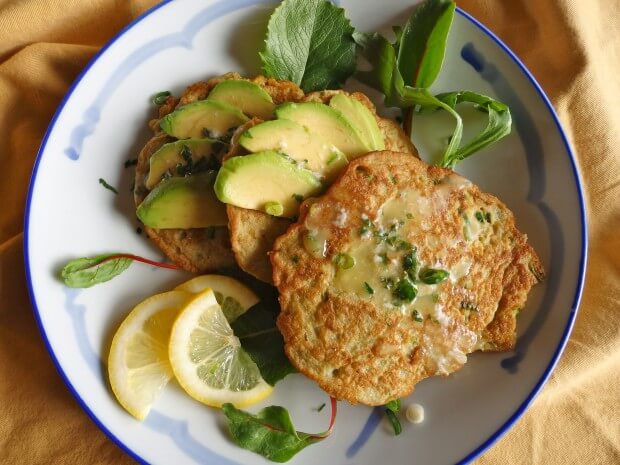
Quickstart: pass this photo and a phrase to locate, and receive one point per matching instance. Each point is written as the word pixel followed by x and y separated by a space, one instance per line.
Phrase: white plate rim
pixel 503 429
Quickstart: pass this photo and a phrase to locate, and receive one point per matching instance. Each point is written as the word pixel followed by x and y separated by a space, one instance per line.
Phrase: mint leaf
pixel 261 339
pixel 309 42
pixel 422 45
pixel 271 432
pixel 86 272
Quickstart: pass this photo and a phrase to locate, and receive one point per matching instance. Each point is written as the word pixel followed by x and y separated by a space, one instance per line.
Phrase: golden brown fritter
pixel 199 249
pixel 347 271
pixel 196 250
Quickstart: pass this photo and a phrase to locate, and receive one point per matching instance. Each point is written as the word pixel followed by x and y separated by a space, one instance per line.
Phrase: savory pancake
pixel 252 232
pixel 394 275
pixel 198 249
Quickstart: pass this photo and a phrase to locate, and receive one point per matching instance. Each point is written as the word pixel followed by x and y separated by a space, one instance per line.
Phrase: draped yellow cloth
pixel 573 49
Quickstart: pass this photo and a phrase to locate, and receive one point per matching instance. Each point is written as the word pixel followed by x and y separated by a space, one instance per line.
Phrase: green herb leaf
pixel 309 42
pixel 368 288
pixel 381 55
pixel 391 411
pixel 498 126
pixel 320 407
pixel 344 261
pixel 86 272
pixel 271 432
pixel 404 70
pixel 405 290
pixel 107 186
pixel 432 275
pixel 160 97
pixel 422 45
pixel 261 339
pixel 393 405
pixel 417 316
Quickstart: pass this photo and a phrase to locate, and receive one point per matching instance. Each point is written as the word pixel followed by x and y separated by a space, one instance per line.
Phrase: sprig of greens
pixel 271 432
pixel 309 42
pixel 88 271
pixel 391 411
pixel 404 70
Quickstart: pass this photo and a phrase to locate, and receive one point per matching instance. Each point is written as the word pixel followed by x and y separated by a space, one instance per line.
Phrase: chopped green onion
pixel 274 208
pixel 368 288
pixel 432 275
pixel 344 261
pixel 405 290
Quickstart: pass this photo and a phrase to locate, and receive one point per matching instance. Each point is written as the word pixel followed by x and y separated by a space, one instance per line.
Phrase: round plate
pixel 102 122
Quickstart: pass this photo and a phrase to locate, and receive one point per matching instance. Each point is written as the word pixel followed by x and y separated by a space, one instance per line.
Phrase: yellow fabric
pixel 571 46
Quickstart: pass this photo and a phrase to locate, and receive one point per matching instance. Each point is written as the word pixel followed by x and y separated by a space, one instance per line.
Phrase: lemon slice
pixel 234 298
pixel 138 364
pixel 207 358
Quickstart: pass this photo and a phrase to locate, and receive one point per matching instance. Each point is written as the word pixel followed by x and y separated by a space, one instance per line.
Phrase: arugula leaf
pixel 86 272
pixel 261 339
pixel 422 45
pixel 309 42
pixel 271 432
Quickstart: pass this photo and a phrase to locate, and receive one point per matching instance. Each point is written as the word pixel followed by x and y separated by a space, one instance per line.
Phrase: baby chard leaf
pixel 422 45
pixel 88 271
pixel 271 432
pixel 309 42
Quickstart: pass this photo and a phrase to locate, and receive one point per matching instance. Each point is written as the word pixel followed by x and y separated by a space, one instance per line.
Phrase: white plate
pixel 101 123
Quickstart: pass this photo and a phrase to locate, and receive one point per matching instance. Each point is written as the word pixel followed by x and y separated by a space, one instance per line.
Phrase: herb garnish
pixel 107 186
pixel 417 316
pixel 320 407
pixel 160 98
pixel 368 288
pixel 391 411
pixel 432 275
pixel 344 261
pixel 88 271
pixel 271 432
pixel 405 290
pixel 309 42
pixel 405 69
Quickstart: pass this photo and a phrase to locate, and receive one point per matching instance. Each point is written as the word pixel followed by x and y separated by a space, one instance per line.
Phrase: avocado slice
pixel 249 97
pixel 330 123
pixel 266 181
pixel 203 118
pixel 296 141
pixel 179 153
pixel 183 203
pixel 360 117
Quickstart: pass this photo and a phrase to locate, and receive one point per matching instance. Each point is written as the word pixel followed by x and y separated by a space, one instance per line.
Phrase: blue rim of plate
pixel 528 400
